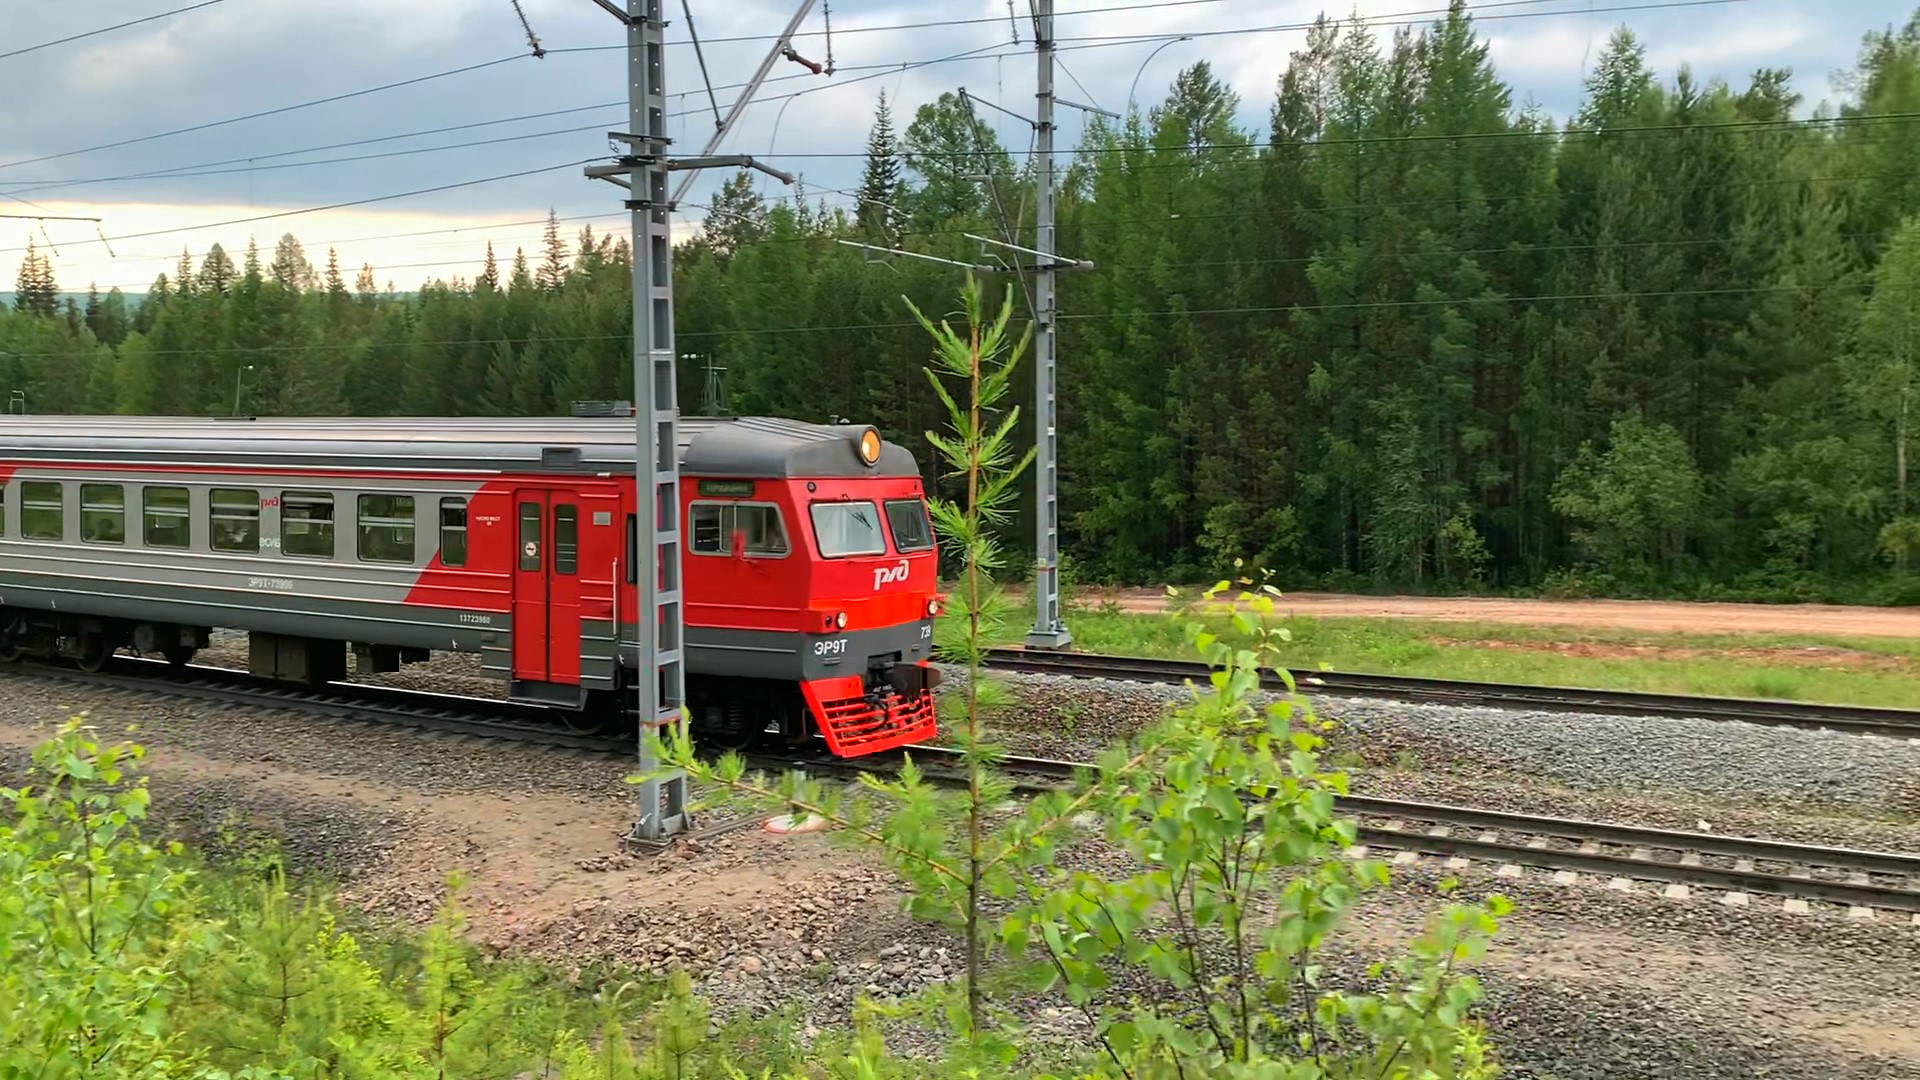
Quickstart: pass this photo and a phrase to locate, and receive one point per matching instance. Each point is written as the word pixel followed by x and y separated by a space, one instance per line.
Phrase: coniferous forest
pixel 1406 334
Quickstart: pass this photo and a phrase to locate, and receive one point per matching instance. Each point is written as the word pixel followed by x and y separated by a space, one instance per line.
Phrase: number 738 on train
pixel 808 565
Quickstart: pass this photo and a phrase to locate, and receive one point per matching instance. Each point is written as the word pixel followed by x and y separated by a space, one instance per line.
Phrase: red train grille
pixel 864 725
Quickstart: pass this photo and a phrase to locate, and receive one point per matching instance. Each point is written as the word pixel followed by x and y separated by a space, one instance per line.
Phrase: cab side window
pixel 713 526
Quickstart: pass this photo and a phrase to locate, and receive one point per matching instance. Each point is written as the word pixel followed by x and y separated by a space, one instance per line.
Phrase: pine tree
pixel 737 218
pixel 216 270
pixel 489 279
pixel 363 284
pixel 290 267
pixel 336 285
pixel 183 274
pixel 1619 83
pixel 113 322
pixel 553 268
pixel 948 147
pixel 1883 369
pixel 36 292
pixel 879 212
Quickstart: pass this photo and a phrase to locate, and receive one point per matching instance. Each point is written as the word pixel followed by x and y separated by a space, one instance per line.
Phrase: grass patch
pixel 1875 671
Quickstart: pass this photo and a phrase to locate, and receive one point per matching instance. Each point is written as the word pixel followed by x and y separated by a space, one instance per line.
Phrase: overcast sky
pixel 237 57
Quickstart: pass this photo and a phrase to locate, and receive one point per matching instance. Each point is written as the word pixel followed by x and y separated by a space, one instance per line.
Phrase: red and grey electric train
pixel 808 569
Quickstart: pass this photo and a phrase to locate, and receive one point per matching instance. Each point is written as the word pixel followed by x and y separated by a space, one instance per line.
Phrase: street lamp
pixel 1149 60
pixel 237 376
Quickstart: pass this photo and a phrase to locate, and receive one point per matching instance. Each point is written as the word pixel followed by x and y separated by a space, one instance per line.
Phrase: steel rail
pixel 1859 891
pixel 1851 719
pixel 495 719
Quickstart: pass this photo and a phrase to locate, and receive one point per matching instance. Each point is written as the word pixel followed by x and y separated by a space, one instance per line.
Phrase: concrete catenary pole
pixel 660 675
pixel 1049 631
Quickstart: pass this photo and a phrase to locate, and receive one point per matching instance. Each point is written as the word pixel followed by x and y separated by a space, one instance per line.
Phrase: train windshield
pixel 907 520
pixel 847 528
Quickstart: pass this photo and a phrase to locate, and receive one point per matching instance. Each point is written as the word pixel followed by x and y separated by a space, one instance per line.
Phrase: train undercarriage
pixel 727 712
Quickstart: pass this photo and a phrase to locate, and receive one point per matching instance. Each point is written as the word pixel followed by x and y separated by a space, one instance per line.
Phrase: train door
pixel 546 586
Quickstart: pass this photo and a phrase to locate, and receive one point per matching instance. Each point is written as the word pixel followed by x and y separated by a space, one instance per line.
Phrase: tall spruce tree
pixel 36 292
pixel 880 212
pixel 553 264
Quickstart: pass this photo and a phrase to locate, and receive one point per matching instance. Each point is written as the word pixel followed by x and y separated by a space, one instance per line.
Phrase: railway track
pixel 1628 857
pixel 447 713
pixel 1851 719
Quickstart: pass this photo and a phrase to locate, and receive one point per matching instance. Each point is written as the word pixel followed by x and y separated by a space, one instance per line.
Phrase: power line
pixel 1337 306
pixel 978 53
pixel 1282 27
pixel 265 112
pixel 334 206
pixel 610 220
pixel 877 70
pixel 1241 215
pixel 108 29
pixel 336 160
pixel 1730 127
pixel 1150 5
pixel 175 170
pixel 1740 127
pixel 1544 298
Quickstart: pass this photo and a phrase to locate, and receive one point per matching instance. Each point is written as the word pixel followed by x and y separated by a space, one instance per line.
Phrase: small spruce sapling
pixel 941 842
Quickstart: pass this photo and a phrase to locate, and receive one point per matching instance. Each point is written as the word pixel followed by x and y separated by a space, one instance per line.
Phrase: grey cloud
pixel 247 55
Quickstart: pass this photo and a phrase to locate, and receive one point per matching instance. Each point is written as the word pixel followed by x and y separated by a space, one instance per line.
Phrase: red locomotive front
pixel 810 597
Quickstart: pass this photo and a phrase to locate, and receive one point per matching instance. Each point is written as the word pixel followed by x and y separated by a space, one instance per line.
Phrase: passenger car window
pixel 235 516
pixel 715 523
pixel 164 513
pixel 453 532
pixel 566 539
pixel 847 528
pixel 103 513
pixel 306 524
pixel 42 511
pixel 907 520
pixel 530 536
pixel 386 528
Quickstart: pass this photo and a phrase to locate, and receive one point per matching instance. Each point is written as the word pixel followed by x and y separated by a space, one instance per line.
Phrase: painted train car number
pixel 836 647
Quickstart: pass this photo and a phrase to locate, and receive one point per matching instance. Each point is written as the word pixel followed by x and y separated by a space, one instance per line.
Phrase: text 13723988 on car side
pixel 809 564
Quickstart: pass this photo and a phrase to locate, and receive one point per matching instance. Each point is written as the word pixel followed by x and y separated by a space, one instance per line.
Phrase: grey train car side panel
pixel 345 599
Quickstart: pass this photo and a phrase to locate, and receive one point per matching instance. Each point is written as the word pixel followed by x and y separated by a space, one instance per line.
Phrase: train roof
pixel 744 446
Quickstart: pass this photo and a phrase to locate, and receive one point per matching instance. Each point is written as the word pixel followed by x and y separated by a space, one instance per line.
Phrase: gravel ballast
pixel 1583 983
pixel 1076 718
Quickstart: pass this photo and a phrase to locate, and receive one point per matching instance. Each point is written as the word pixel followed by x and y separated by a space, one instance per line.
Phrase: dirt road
pixel 1648 615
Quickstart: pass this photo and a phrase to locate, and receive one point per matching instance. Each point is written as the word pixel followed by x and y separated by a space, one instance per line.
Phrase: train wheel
pixel 728 727
pixel 179 655
pixel 94 654
pixel 13 640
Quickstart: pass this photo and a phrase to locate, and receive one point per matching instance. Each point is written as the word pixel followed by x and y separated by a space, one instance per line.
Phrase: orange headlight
pixel 870 446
